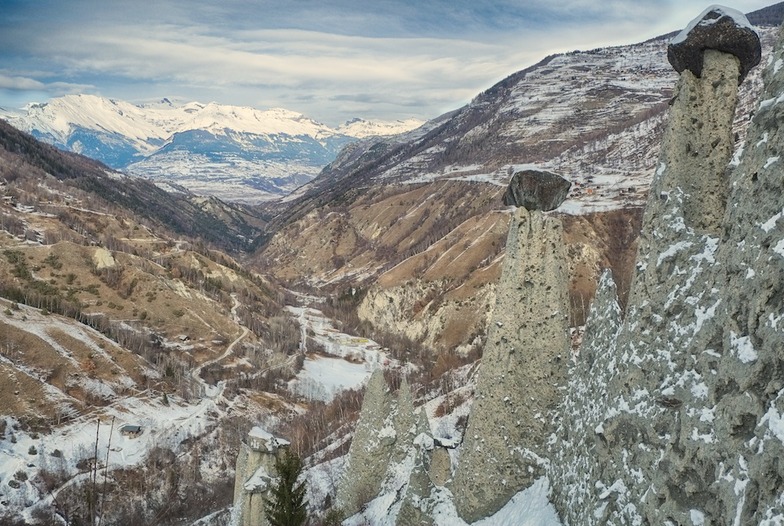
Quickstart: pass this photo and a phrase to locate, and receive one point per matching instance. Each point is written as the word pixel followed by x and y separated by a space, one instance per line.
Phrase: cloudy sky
pixel 329 59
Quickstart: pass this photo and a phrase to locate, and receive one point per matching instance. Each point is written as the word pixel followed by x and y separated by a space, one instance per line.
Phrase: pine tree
pixel 286 505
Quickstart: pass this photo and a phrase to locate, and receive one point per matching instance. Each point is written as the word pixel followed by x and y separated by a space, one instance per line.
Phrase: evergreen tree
pixel 286 505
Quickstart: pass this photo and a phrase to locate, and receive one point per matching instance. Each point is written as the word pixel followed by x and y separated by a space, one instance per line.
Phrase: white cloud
pixel 19 83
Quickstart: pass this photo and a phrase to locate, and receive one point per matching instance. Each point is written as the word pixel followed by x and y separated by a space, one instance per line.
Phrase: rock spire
pixel 523 366
pixel 254 476
pixel 385 437
pixel 698 143
pixel 682 418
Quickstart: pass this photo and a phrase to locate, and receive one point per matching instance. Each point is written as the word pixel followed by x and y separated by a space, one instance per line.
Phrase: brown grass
pixel 22 396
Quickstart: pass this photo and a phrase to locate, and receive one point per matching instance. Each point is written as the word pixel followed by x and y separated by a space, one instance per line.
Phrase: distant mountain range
pixel 236 153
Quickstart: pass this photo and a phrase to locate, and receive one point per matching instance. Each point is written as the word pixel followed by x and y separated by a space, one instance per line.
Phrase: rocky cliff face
pixel 673 415
pixel 384 435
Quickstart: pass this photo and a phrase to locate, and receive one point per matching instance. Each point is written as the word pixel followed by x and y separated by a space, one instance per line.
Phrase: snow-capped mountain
pixel 236 153
pixel 362 128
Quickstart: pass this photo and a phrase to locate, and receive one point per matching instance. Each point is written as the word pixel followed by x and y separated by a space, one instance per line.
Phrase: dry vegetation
pixel 427 267
pixel 162 303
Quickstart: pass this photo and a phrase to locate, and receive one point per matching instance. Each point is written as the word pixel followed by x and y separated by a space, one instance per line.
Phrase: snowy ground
pixel 348 363
pixel 162 425
pixel 322 377
pixel 529 507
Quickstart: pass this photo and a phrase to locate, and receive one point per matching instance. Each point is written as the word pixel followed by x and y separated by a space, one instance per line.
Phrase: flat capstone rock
pixel 719 28
pixel 537 190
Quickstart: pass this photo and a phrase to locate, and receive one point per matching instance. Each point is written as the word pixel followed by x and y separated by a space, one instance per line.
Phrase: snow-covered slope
pixel 237 153
pixel 362 128
pixel 595 117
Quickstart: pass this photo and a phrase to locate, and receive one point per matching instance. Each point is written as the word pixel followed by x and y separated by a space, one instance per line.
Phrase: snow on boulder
pixel 261 440
pixel 259 481
pixel 719 28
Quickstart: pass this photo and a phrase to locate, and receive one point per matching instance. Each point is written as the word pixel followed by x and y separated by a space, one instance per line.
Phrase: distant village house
pixel 131 431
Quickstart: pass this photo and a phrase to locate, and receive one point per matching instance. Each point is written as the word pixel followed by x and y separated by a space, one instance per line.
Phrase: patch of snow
pixel 259 481
pixel 387 432
pixel 700 390
pixel 697 517
pixel 321 377
pixel 530 507
pixel 770 224
pixel 736 157
pixel 779 248
pixel 742 347
pixel 361 128
pixel 738 17
pixel 775 422
pixel 259 432
pixel 617 487
pixel 672 250
pixel 708 438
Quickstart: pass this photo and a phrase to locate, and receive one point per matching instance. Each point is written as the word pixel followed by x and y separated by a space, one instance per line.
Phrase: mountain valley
pixel 234 153
pixel 249 269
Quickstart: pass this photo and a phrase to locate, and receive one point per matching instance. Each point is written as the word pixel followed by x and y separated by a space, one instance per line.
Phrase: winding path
pixel 215 391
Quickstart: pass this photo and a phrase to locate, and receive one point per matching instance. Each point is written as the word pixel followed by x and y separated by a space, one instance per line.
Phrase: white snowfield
pixel 343 361
pixel 235 153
